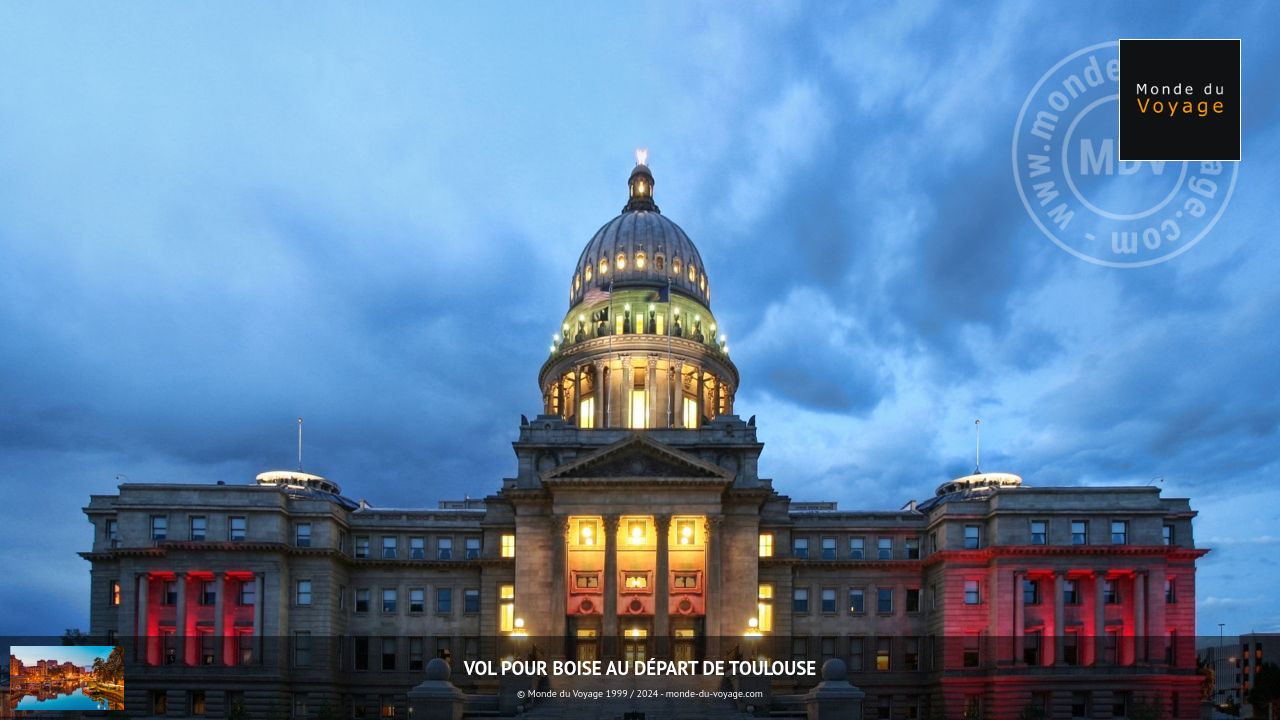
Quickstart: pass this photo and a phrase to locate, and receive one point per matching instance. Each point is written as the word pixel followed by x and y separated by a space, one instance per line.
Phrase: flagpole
pixel 670 368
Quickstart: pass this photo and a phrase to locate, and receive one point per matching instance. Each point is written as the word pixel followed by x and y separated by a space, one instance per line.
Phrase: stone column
pixel 661 589
pixel 1157 629
pixel 714 589
pixel 1019 616
pixel 651 392
pixel 677 395
pixel 609 622
pixel 1059 635
pixel 702 395
pixel 559 396
pixel 219 640
pixel 559 569
pixel 1142 640
pixel 626 379
pixel 258 602
pixel 180 623
pixel 1099 616
pixel 141 628
pixel 600 391
pixel 577 395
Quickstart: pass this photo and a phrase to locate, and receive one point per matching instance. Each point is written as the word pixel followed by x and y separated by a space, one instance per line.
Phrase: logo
pixel 1066 164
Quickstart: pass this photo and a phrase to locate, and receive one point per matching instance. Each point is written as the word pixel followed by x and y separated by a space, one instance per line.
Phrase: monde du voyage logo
pixel 1106 197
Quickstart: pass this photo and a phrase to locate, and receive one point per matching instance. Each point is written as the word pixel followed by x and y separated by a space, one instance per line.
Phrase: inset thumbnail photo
pixel 60 677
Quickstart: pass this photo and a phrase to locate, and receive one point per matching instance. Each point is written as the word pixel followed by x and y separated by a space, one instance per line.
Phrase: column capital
pixel 662 522
pixel 653 362
pixel 611 522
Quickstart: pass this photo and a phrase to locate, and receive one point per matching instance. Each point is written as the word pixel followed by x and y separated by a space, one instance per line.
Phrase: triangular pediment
pixel 637 457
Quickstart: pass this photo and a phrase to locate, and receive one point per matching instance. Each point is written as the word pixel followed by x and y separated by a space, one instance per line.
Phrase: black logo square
pixel 1179 100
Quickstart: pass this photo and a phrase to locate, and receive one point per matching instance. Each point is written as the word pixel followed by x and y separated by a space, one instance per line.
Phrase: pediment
pixel 639 458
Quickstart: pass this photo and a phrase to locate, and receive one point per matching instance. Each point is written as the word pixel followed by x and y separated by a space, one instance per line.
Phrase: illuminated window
pixel 766 544
pixel 686 581
pixel 622 261
pixel 604 266
pixel 675 266
pixel 587 273
pixel 635 580
pixel 882 654
pixel 637 532
pixel 693 273
pixel 508 546
pixel 506 608
pixel 586 581
pixel 685 532
pixel 764 607
pixel 703 283
pixel 115 592
pixel 587 413
pixel 690 413
pixel 639 408
pixel 640 260
pixel 587 532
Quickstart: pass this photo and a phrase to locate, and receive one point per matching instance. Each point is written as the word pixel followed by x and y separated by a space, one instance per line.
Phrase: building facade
pixel 637 525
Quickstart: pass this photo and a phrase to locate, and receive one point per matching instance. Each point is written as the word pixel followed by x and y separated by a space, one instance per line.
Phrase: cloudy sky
pixel 215 219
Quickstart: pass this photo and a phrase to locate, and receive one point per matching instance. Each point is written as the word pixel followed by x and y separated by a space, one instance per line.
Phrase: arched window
pixel 587 272
pixel 577 282
pixel 675 266
pixel 659 262
pixel 703 282
pixel 604 267
pixel 693 273
pixel 640 259
pixel 622 261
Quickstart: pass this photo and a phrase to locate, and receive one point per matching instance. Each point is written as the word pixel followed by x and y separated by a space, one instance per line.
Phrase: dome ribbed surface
pixel 663 244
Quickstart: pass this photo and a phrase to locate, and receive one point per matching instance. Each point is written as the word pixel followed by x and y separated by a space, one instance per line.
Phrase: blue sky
pixel 81 655
pixel 216 219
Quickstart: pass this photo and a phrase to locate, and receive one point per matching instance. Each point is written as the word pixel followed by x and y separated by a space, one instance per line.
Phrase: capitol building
pixel 636 525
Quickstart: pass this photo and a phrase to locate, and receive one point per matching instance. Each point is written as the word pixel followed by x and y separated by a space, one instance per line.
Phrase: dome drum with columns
pixel 639 347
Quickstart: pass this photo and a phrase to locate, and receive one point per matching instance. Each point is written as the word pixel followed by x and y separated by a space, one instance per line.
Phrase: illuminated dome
pixel 639 347
pixel 640 247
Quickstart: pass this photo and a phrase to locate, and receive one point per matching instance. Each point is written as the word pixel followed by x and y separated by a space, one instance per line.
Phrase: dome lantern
pixel 640 185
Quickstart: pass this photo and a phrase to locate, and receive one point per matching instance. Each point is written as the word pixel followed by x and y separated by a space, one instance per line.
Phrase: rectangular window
pixel 913 600
pixel 362 546
pixel 1119 704
pixel 1030 591
pixel 884 600
pixel 828 600
pixel 361 653
pixel 301 649
pixel 417 653
pixel 388 653
pixel 800 600
pixel 444 548
pixel 1170 591
pixel 362 600
pixel 417 600
pixel 1071 648
pixel 170 593
pixel 827 648
pixel 417 548
pixel 884 707
pixel 766 544
pixel 828 548
pixel 1031 648
pixel 587 413
pixel 855 654
pixel 913 548
pixel 342 597
pixel 857 601
pixel 208 592
pixel 686 581
pixel 159 702
pixel 1079 532
pixel 1110 645
pixel 972 595
pixel 972 650
pixel 1171 648
pixel 471 600
pixel 303 535
pixel 390 545
pixel 114 592
pixel 882 654
pixel 506 608
pixel 198 527
pixel 690 413
pixel 1110 594
pixel 508 546
pixel 1039 532
pixel 1167 534
pixel 972 537
pixel 304 592
pixel 389 598
pixel 1070 593
pixel 1079 705
pixel 635 580
pixel 444 600
pixel 799 648
pixel 764 606
pixel 857 548
pixel 586 580
pixel 113 532
pixel 248 592
pixel 800 548
pixel 884 548
pixel 237 528
pixel 472 548
pixel 933 542
pixel 196 702
pixel 159 527
pixel 1119 532
pixel 911 653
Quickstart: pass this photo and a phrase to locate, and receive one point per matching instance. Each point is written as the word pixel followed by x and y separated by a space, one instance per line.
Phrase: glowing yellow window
pixel 693 273
pixel 587 273
pixel 764 608
pixel 685 532
pixel 766 544
pixel 639 409
pixel 586 532
pixel 506 608
pixel 508 545
pixel 587 413
pixel 604 266
pixel 637 532
pixel 675 266
pixel 622 261
pixel 690 413
pixel 636 581
pixel 640 259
